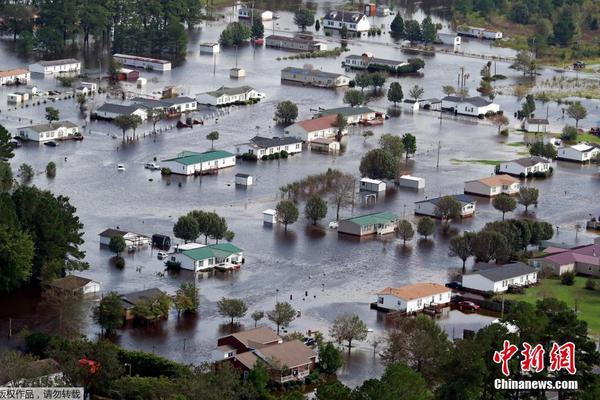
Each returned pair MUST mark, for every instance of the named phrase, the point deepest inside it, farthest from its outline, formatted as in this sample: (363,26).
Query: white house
(473,106)
(247,13)
(153,64)
(210,48)
(581,152)
(203,258)
(263,146)
(326,145)
(310,129)
(412,182)
(493,186)
(429,206)
(413,298)
(14,76)
(131,238)
(372,185)
(224,96)
(536,125)
(497,278)
(112,111)
(314,77)
(57,130)
(190,163)
(86,88)
(76,284)
(353,21)
(243,179)
(17,97)
(180,104)
(450,39)
(56,66)
(480,33)
(270,216)
(367,60)
(353,115)
(299,42)
(379,223)
(525,166)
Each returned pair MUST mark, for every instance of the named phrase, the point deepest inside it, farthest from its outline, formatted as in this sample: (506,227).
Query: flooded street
(339,275)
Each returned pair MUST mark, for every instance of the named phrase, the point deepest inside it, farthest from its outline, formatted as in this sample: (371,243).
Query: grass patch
(588,137)
(587,301)
(484,162)
(523,153)
(516,144)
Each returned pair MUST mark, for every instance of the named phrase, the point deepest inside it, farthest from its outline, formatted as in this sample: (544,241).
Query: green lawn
(516,144)
(588,137)
(485,162)
(588,301)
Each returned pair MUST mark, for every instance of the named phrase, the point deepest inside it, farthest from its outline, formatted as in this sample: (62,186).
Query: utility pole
(437,165)
(214,64)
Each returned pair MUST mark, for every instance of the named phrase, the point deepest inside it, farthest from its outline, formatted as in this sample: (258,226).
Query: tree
(186,228)
(367,134)
(330,359)
(353,97)
(315,209)
(363,80)
(286,112)
(569,134)
(416,92)
(504,203)
(395,94)
(186,298)
(405,231)
(565,27)
(287,212)
(6,150)
(378,79)
(51,169)
(448,208)
(348,327)
(412,30)
(124,122)
(525,61)
(499,120)
(152,308)
(109,313)
(81,100)
(342,193)
(66,311)
(397,25)
(341,123)
(429,30)
(426,227)
(448,90)
(257,316)
(543,150)
(52,114)
(214,135)
(333,391)
(303,18)
(258,28)
(317,25)
(217,227)
(528,107)
(410,144)
(379,164)
(344,32)
(398,382)
(490,245)
(232,308)
(117,245)
(16,256)
(577,112)
(155,116)
(235,34)
(461,246)
(26,173)
(282,315)
(528,196)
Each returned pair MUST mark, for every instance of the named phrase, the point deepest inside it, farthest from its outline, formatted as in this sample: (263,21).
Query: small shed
(210,48)
(270,216)
(18,97)
(237,73)
(161,241)
(141,82)
(412,182)
(243,179)
(75,284)
(325,145)
(372,185)
(126,74)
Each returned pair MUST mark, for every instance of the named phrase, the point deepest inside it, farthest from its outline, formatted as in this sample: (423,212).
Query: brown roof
(257,337)
(13,72)
(317,124)
(70,282)
(247,359)
(288,354)
(416,290)
(497,180)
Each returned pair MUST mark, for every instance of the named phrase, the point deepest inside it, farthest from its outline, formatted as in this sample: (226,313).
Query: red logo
(503,356)
(561,357)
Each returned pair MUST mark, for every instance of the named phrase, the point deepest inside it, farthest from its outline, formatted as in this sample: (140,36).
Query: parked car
(51,143)
(310,341)
(131,248)
(152,166)
(161,254)
(15,144)
(453,285)
(467,306)
(120,167)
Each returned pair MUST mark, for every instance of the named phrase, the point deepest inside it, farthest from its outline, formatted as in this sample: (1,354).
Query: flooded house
(131,238)
(314,77)
(526,166)
(353,21)
(299,42)
(379,223)
(15,76)
(493,186)
(225,96)
(429,208)
(495,278)
(262,146)
(479,33)
(581,152)
(414,297)
(75,284)
(110,111)
(198,257)
(536,125)
(472,106)
(353,115)
(193,163)
(51,67)
(153,64)
(130,300)
(367,61)
(58,130)
(584,260)
(310,129)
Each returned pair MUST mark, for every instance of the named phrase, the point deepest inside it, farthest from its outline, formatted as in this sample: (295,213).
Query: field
(587,302)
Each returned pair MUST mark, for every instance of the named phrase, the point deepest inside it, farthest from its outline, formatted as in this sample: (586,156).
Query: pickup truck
(152,166)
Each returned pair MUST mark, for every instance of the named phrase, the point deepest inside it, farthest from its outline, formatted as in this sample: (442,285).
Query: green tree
(448,90)
(565,27)
(6,177)
(109,313)
(333,391)
(353,97)
(490,245)
(315,209)
(304,17)
(232,308)
(204,221)
(525,61)
(257,316)
(214,135)
(379,164)
(416,92)
(405,231)
(259,378)
(153,308)
(448,208)
(461,246)
(124,122)
(330,358)
(26,173)
(367,134)
(577,112)
(51,169)
(569,134)
(363,80)
(6,150)
(395,94)
(378,80)
(410,144)
(155,116)
(217,227)
(543,150)
(282,315)
(258,28)
(341,123)
(412,31)
(429,30)
(186,298)
(235,34)
(528,196)
(16,256)
(287,212)
(504,203)
(186,228)
(348,327)
(397,25)
(117,245)
(52,114)
(286,112)
(426,227)
(317,25)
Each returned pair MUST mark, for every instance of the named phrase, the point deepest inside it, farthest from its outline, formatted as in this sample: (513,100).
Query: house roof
(374,218)
(588,254)
(265,142)
(477,101)
(346,16)
(214,250)
(248,359)
(496,180)
(375,60)
(538,121)
(154,60)
(191,157)
(121,109)
(242,175)
(70,282)
(530,161)
(149,103)
(257,337)
(287,354)
(583,147)
(462,198)
(295,39)
(110,232)
(415,291)
(49,63)
(346,111)
(50,126)
(178,100)
(229,91)
(369,180)
(131,299)
(312,72)
(497,273)
(13,72)
(317,124)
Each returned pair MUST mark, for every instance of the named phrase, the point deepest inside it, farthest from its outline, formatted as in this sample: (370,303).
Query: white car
(153,166)
(260,95)
(161,254)
(120,167)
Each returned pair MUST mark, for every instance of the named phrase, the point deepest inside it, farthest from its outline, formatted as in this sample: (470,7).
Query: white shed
(210,48)
(270,216)
(372,185)
(412,182)
(243,179)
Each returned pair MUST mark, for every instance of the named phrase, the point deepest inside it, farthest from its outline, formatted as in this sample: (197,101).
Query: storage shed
(270,216)
(412,182)
(372,185)
(243,179)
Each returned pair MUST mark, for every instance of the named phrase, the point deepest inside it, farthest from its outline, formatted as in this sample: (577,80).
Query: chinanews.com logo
(560,358)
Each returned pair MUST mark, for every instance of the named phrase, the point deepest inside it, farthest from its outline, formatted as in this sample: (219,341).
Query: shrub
(174,265)
(590,284)
(568,278)
(264,158)
(504,132)
(37,343)
(284,154)
(120,262)
(165,171)
(276,156)
(271,157)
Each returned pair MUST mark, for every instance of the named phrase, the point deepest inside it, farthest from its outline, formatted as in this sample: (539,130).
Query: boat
(181,125)
(372,122)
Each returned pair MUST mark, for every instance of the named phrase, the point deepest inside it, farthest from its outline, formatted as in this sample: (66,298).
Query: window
(380,300)
(419,302)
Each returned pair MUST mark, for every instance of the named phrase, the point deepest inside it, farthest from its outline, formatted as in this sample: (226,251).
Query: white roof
(189,246)
(582,147)
(410,177)
(369,180)
(270,212)
(125,70)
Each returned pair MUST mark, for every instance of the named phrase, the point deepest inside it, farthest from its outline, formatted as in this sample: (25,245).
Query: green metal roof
(346,111)
(220,250)
(191,157)
(375,218)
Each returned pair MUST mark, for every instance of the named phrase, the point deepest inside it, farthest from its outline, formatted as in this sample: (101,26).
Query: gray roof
(375,60)
(295,39)
(121,109)
(346,111)
(530,161)
(178,100)
(48,63)
(265,142)
(462,198)
(51,126)
(477,101)
(131,299)
(497,273)
(536,121)
(224,90)
(149,103)
(346,16)
(312,72)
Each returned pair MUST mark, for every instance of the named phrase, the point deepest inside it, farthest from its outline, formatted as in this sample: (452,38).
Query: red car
(467,306)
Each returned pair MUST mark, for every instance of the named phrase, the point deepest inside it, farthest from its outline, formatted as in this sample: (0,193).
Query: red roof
(317,124)
(589,254)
